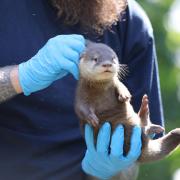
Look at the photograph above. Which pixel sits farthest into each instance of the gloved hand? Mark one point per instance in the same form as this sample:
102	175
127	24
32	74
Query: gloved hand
59	56
101	163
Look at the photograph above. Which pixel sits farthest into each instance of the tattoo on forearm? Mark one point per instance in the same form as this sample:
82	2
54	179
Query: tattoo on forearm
7	90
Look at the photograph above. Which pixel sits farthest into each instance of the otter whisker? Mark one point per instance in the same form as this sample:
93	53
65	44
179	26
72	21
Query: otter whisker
123	71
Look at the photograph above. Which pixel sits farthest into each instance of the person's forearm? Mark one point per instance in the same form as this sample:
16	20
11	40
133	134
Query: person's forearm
9	83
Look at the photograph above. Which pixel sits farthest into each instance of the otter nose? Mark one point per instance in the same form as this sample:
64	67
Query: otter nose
107	65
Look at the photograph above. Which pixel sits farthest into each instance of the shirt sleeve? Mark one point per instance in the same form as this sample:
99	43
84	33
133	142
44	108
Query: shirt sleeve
140	56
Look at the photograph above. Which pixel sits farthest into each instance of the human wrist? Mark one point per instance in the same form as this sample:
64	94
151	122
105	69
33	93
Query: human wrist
24	78
14	77
31	78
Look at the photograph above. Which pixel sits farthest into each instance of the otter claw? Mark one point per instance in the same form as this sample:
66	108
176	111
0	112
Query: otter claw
93	120
123	98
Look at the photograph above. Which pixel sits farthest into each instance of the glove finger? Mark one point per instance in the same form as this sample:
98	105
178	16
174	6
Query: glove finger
72	56
78	46
61	75
89	137
78	43
75	42
72	68
103	139
136	144
78	37
117	142
62	55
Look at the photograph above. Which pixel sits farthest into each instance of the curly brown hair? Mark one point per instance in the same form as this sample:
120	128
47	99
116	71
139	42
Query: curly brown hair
93	15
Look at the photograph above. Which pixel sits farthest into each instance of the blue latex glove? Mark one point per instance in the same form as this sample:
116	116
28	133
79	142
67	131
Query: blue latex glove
101	163
59	56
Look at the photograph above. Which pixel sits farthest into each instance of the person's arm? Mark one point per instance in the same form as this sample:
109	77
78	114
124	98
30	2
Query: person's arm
59	56
9	83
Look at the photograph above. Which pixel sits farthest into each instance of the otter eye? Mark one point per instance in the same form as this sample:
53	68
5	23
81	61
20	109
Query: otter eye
95	59
114	59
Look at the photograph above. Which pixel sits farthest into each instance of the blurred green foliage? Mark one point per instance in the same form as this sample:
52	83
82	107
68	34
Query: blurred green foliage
167	43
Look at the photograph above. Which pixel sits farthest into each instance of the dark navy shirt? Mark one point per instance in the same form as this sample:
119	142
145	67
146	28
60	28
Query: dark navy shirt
39	134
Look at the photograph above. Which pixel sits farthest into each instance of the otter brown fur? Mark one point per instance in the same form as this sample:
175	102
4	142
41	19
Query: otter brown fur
101	97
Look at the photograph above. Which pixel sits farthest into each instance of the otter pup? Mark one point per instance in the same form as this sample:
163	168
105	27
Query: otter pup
101	97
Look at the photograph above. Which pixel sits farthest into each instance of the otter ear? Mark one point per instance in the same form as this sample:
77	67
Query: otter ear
82	55
88	43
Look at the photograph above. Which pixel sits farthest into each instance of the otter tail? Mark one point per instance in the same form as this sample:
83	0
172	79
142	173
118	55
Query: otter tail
159	148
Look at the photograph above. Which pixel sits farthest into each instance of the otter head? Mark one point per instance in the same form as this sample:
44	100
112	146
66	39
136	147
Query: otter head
98	63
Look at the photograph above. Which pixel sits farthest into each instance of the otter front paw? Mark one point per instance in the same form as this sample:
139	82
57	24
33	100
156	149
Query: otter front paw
92	120
124	97
122	92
